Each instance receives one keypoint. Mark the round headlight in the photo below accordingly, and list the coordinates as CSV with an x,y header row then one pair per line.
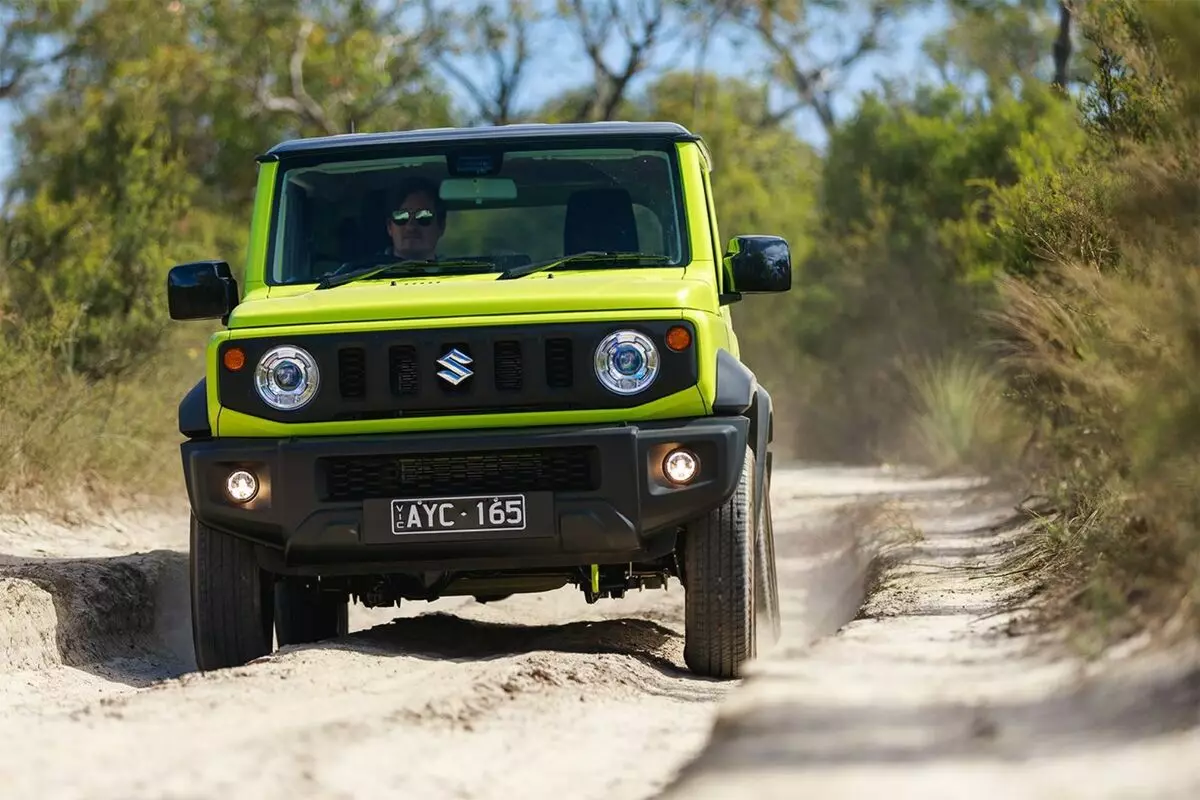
x,y
287,378
626,362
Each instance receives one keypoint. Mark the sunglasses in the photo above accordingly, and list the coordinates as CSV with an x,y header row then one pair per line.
x,y
423,217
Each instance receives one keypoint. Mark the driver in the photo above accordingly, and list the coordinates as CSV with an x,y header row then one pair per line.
x,y
418,221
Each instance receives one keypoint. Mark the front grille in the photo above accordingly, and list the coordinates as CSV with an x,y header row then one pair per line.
x,y
404,368
510,370
403,371
352,372
560,366
560,469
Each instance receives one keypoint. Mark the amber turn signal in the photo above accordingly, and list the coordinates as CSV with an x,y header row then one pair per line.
x,y
679,338
234,359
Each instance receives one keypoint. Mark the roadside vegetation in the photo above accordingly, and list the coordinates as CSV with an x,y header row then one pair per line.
x,y
1100,326
995,257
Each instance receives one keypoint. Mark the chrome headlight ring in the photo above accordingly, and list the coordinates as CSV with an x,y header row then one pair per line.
x,y
627,362
287,378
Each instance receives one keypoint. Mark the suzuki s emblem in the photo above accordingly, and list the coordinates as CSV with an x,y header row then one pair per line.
x,y
456,370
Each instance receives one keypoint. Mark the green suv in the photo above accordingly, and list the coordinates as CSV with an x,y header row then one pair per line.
x,y
478,362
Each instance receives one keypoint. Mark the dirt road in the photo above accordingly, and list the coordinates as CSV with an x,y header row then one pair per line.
x,y
937,690
533,697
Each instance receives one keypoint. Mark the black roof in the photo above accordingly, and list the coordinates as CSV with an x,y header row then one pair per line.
x,y
501,133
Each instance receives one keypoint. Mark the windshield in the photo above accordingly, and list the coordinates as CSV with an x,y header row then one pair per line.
x,y
479,210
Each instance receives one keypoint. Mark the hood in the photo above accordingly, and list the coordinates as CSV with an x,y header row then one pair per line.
x,y
429,297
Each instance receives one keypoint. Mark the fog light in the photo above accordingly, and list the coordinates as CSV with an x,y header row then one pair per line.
x,y
681,466
241,486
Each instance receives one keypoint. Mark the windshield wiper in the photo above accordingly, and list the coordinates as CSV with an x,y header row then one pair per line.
x,y
452,267
589,255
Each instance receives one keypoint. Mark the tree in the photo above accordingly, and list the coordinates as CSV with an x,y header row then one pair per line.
x,y
792,31
96,254
903,258
500,45
639,26
137,150
25,26
1008,41
233,77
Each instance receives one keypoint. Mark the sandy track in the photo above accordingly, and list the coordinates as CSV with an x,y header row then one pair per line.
x,y
923,691
534,696
935,690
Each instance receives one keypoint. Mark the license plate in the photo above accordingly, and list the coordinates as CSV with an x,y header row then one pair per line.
x,y
470,514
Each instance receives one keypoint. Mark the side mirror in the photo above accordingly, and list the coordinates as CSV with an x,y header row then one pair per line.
x,y
757,264
201,290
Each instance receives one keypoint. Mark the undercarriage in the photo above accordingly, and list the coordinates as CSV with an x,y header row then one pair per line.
x,y
596,581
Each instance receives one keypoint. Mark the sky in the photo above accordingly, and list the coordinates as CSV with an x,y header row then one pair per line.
x,y
902,60
562,67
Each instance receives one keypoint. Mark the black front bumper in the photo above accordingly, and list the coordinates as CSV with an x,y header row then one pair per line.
x,y
596,494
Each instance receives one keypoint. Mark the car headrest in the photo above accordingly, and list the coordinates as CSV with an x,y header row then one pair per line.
x,y
599,219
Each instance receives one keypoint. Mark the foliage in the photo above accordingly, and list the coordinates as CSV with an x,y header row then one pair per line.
x,y
1099,329
93,246
1006,43
906,256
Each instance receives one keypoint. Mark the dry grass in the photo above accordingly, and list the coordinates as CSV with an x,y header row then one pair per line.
x,y
70,443
960,417
1111,354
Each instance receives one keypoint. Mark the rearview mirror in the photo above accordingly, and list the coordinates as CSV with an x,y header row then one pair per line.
x,y
201,290
758,264
478,189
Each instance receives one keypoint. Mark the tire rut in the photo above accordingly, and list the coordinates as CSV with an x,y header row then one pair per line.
x,y
96,614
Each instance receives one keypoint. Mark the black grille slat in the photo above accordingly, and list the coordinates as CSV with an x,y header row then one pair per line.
x,y
403,370
510,373
352,372
352,478
560,367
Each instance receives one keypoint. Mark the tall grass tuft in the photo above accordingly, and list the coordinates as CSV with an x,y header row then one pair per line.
x,y
960,418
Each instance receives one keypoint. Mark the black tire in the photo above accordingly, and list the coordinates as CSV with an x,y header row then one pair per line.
x,y
305,614
232,600
719,615
767,573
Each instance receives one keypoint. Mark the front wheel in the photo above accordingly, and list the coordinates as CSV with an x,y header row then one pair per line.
x,y
719,596
233,605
